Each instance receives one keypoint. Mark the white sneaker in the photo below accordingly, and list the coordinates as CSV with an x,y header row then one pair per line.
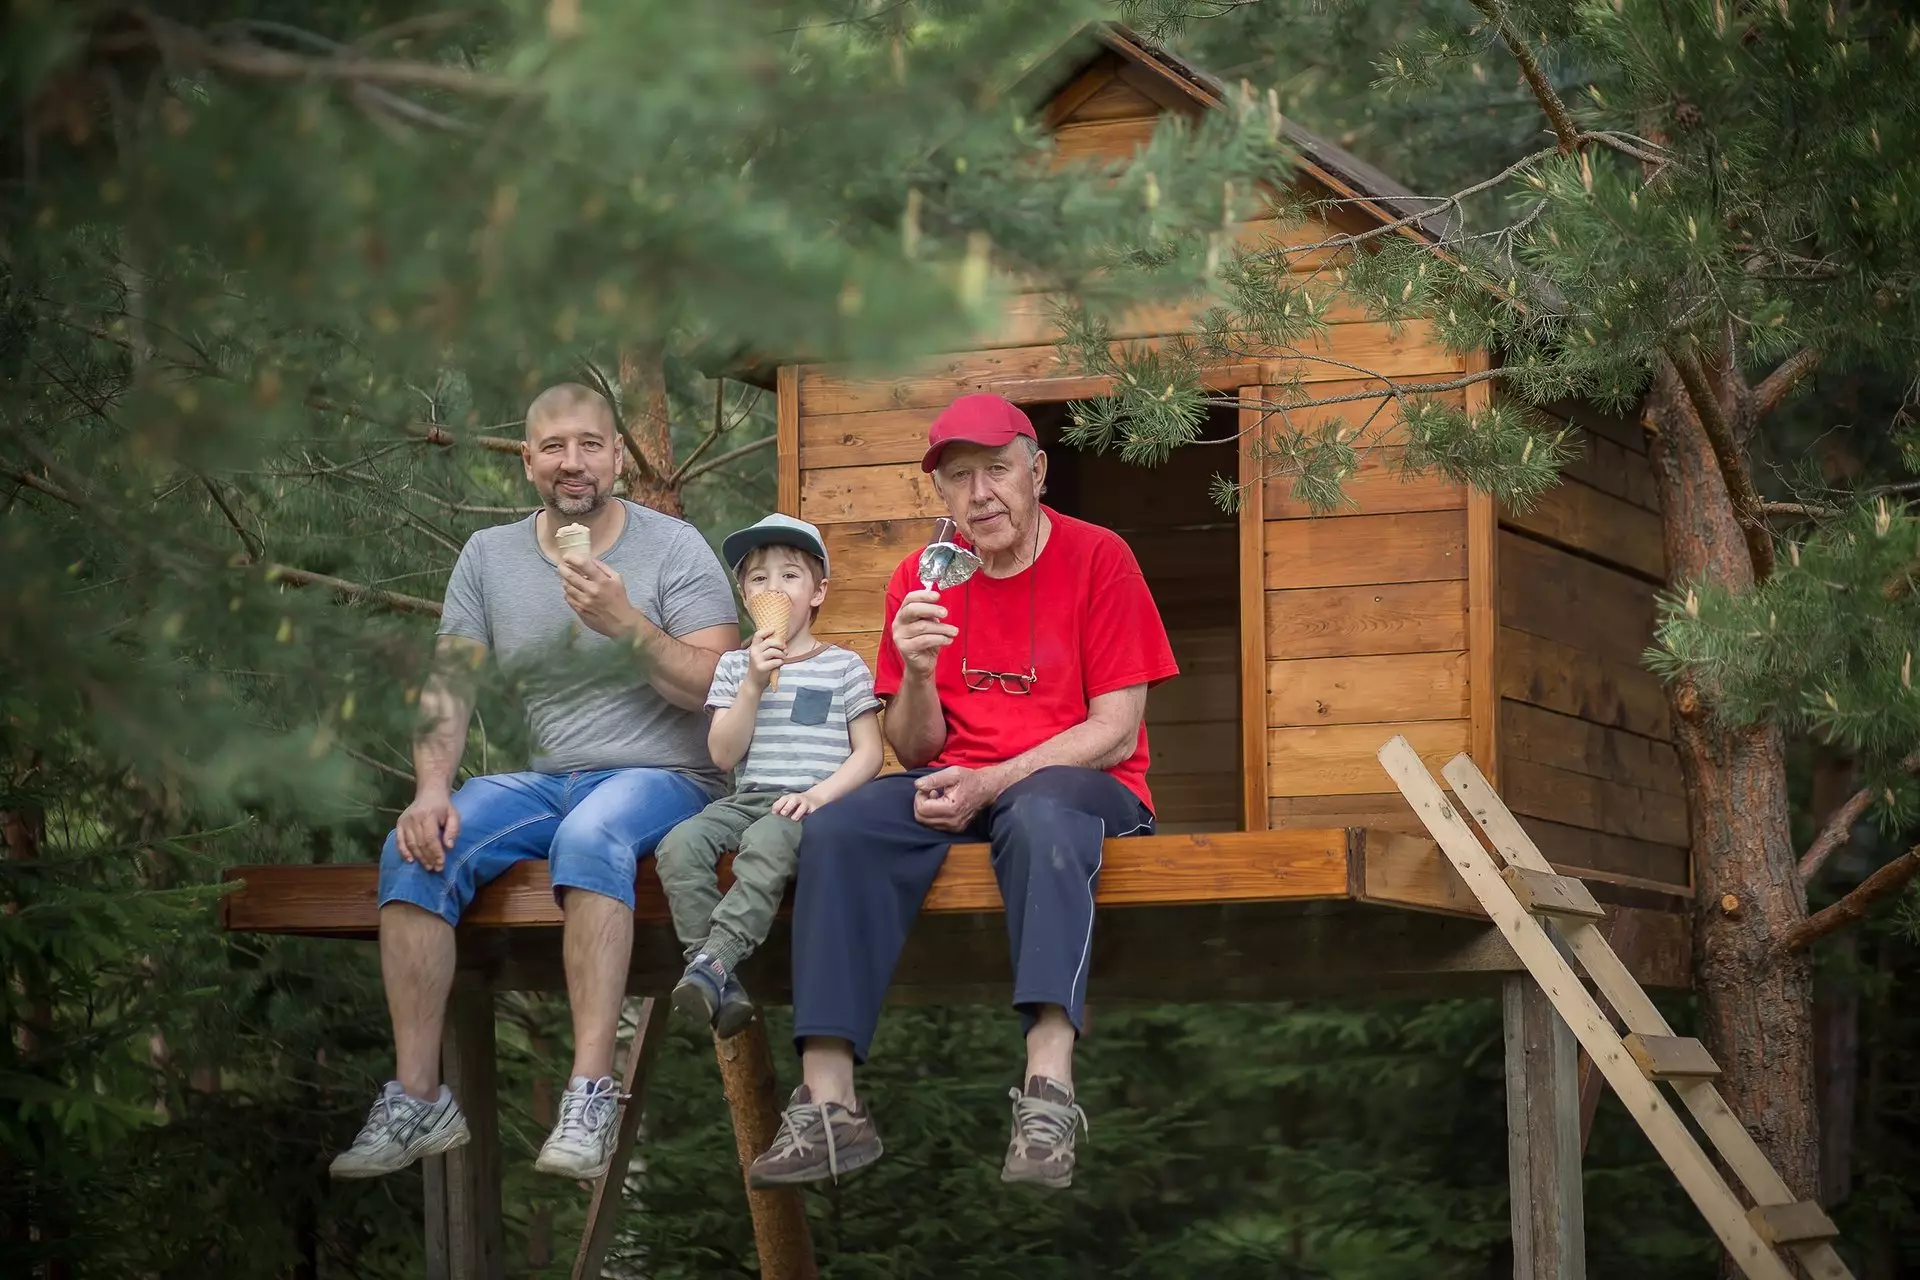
x,y
581,1144
399,1130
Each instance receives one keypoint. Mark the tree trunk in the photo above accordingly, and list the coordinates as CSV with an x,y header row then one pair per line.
x,y
1757,1009
1836,1004
649,423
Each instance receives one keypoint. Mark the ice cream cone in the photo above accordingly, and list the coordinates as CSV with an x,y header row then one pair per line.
x,y
573,541
770,609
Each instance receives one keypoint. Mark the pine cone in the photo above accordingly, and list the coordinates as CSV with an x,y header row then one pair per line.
x,y
1686,115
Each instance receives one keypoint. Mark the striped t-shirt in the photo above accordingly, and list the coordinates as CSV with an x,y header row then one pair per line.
x,y
800,732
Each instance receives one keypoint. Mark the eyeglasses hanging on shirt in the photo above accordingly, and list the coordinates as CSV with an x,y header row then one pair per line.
x,y
1012,682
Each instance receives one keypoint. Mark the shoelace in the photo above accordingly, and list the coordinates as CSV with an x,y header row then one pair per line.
x,y
380,1115
578,1106
791,1140
1043,1123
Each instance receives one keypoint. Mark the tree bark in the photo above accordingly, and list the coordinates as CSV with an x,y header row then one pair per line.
x,y
1756,1005
649,423
781,1236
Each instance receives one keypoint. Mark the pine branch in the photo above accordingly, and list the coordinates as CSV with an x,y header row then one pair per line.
x,y
1798,509
1550,102
1880,884
637,461
1840,825
433,433
247,539
183,48
380,765
1775,386
714,464
39,485
1726,451
720,427
354,592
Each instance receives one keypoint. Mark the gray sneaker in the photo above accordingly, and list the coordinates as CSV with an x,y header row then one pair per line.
x,y
581,1144
399,1130
815,1142
1046,1123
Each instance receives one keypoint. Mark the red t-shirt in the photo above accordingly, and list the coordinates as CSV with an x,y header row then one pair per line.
x,y
1080,642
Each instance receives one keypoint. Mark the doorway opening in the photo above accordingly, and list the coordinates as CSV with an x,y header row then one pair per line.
x,y
1189,553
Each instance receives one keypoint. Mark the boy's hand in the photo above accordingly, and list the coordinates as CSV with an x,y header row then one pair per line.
x,y
797,804
765,653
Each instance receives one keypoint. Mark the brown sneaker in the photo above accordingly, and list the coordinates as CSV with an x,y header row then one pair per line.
x,y
1045,1124
815,1142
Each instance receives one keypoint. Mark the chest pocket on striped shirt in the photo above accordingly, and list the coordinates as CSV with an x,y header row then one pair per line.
x,y
810,706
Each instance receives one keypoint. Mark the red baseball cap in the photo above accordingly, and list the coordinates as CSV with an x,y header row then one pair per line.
x,y
984,419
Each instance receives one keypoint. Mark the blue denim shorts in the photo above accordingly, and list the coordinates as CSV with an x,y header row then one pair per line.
x,y
592,828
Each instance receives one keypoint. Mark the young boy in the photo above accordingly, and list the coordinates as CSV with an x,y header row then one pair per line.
x,y
811,739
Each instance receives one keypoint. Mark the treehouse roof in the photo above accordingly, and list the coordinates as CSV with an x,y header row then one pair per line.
x,y
1188,87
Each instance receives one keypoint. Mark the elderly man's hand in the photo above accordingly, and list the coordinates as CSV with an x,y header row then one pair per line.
x,y
599,596
920,631
950,799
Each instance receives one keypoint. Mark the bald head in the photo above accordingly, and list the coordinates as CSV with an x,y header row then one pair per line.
x,y
568,401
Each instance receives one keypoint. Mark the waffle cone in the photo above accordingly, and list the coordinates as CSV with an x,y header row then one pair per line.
x,y
770,610
573,541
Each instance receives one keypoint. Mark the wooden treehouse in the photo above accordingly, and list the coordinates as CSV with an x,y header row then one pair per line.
x,y
1288,862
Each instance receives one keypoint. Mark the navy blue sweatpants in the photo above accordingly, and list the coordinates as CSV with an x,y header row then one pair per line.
x,y
866,866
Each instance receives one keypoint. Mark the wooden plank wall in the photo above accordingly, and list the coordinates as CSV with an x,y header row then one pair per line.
x,y
1586,751
1366,618
852,467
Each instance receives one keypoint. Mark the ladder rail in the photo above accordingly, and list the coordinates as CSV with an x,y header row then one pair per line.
x,y
1725,1215
1702,1098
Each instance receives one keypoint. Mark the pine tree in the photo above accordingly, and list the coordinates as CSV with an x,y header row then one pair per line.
x,y
278,282
1721,205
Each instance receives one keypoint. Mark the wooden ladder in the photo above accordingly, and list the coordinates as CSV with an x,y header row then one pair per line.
x,y
1542,915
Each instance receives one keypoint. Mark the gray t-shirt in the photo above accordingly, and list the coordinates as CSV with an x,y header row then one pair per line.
x,y
586,711
800,729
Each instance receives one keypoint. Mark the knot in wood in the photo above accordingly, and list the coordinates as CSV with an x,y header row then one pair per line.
x,y
1687,701
1730,903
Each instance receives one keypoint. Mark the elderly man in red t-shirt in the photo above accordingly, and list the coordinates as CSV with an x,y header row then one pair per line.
x,y
1016,703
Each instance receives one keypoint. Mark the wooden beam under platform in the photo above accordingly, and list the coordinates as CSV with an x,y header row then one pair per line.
x,y
1226,916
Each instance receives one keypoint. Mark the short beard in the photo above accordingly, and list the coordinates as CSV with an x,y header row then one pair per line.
x,y
574,508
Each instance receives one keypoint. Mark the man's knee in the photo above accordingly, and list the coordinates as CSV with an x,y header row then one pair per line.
x,y
443,894
590,857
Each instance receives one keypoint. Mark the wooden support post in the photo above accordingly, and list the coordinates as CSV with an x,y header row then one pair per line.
x,y
434,1171
1254,813
780,1232
649,1031
1543,1137
464,1236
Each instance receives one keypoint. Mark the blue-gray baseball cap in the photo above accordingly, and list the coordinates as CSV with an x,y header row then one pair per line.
x,y
774,531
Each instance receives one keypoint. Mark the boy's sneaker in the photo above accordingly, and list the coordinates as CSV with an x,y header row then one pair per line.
x,y
709,992
1045,1125
815,1142
399,1130
581,1144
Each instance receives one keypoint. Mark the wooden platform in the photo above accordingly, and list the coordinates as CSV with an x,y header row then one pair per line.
x,y
1221,916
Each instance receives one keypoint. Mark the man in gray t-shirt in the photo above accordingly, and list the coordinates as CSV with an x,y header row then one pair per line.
x,y
614,650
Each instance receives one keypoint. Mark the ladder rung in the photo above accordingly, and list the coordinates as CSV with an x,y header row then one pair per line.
x,y
1546,894
1672,1057
1802,1222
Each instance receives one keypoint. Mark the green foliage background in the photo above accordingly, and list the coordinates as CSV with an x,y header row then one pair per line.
x,y
233,310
